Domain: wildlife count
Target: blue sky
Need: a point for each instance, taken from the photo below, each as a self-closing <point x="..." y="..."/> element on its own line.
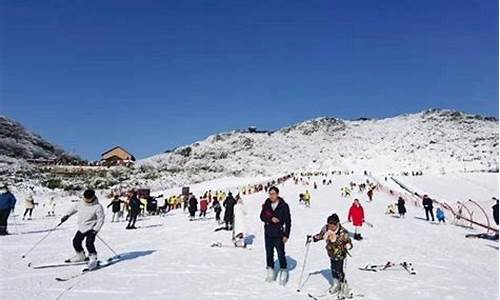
<point x="152" y="75"/>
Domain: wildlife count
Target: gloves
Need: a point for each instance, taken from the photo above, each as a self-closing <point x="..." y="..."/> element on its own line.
<point x="309" y="239"/>
<point x="64" y="219"/>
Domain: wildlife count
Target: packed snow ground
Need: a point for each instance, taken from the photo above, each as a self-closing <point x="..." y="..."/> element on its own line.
<point x="171" y="258"/>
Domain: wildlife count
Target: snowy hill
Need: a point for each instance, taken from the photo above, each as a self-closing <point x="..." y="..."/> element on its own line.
<point x="433" y="141"/>
<point x="20" y="143"/>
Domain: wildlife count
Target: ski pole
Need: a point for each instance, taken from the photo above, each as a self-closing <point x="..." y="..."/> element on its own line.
<point x="303" y="266"/>
<point x="109" y="247"/>
<point x="41" y="240"/>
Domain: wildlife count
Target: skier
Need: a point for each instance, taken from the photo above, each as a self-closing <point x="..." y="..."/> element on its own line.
<point x="427" y="204"/>
<point x="357" y="217"/>
<point x="7" y="204"/>
<point x="193" y="207"/>
<point x="29" y="205"/>
<point x="229" y="211"/>
<point x="90" y="220"/>
<point x="217" y="208"/>
<point x="440" y="215"/>
<point x="115" y="208"/>
<point x="401" y="207"/>
<point x="51" y="207"/>
<point x="275" y="214"/>
<point x="135" y="208"/>
<point x="203" y="206"/>
<point x="338" y="244"/>
<point x="239" y="228"/>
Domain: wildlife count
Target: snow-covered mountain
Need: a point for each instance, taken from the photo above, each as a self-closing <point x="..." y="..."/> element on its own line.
<point x="18" y="144"/>
<point x="430" y="141"/>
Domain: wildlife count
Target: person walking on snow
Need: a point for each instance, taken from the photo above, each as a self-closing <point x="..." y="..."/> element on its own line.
<point x="337" y="247"/>
<point x="229" y="204"/>
<point x="307" y="198"/>
<point x="7" y="204"/>
<point x="90" y="220"/>
<point x="217" y="208"/>
<point x="370" y="194"/>
<point x="29" y="205"/>
<point x="135" y="208"/>
<point x="239" y="228"/>
<point x="401" y="207"/>
<point x="427" y="204"/>
<point x="357" y="217"/>
<point x="193" y="207"/>
<point x="115" y="208"/>
<point x="440" y="215"/>
<point x="275" y="214"/>
<point x="51" y="207"/>
<point x="203" y="206"/>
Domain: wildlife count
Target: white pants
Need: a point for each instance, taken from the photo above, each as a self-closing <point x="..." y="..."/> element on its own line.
<point x="116" y="216"/>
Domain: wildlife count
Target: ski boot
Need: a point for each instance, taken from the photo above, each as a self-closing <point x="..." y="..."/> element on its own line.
<point x="283" y="277"/>
<point x="271" y="276"/>
<point x="334" y="290"/>
<point x="345" y="291"/>
<point x="78" y="257"/>
<point x="93" y="262"/>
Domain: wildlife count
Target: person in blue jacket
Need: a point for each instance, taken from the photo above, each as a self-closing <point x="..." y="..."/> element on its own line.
<point x="7" y="203"/>
<point x="440" y="215"/>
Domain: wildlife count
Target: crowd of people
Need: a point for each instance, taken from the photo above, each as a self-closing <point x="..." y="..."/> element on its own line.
<point x="229" y="212"/>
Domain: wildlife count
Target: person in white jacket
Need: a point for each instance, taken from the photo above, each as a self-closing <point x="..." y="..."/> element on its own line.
<point x="51" y="207"/>
<point x="90" y="220"/>
<point x="239" y="227"/>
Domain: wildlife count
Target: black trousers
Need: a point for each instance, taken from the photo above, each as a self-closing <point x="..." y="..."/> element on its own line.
<point x="192" y="212"/>
<point x="30" y="210"/>
<point x="4" y="215"/>
<point x="337" y="267"/>
<point x="203" y="213"/>
<point x="89" y="237"/>
<point x="427" y="212"/>
<point x="271" y="244"/>
<point x="133" y="218"/>
<point x="217" y="215"/>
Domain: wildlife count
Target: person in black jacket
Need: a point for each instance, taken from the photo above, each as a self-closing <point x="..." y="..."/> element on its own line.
<point x="135" y="208"/>
<point x="115" y="208"/>
<point x="192" y="206"/>
<point x="229" y="204"/>
<point x="495" y="210"/>
<point x="401" y="207"/>
<point x="217" y="208"/>
<point x="275" y="214"/>
<point x="427" y="204"/>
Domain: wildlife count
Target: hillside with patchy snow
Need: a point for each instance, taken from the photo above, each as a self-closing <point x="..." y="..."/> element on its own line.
<point x="433" y="141"/>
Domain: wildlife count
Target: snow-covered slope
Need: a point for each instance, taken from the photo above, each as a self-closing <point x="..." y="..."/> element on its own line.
<point x="171" y="258"/>
<point x="431" y="141"/>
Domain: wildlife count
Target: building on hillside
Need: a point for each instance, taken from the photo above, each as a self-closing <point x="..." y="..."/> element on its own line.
<point x="116" y="156"/>
<point x="253" y="129"/>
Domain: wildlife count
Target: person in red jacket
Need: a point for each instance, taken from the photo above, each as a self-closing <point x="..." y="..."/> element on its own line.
<point x="357" y="217"/>
<point x="203" y="206"/>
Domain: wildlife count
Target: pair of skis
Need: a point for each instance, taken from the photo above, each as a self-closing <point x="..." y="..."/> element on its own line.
<point x="100" y="265"/>
<point x="110" y="261"/>
<point x="376" y="268"/>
